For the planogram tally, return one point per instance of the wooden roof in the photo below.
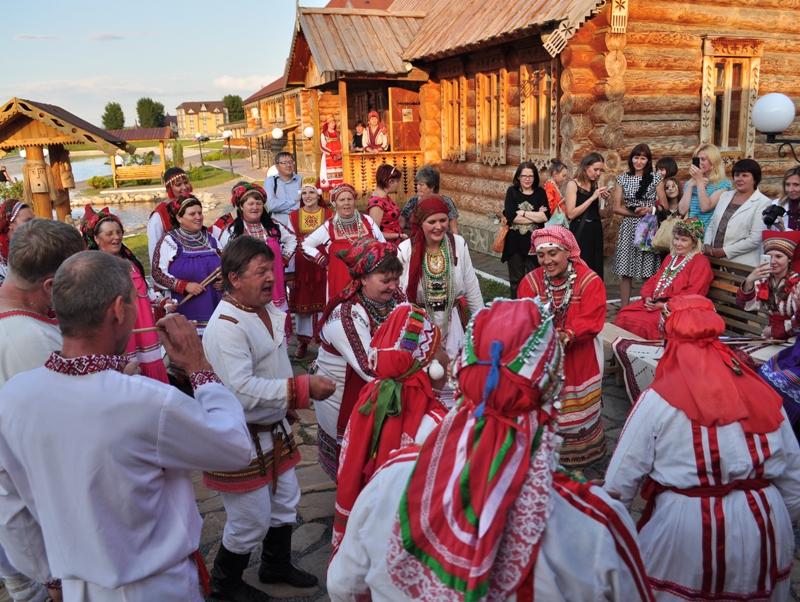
(351, 41)
(455, 26)
(32, 123)
(211, 106)
(269, 89)
(141, 134)
(380, 4)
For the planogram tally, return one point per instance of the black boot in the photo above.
(276, 560)
(226, 578)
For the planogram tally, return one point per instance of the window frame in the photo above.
(530, 149)
(454, 118)
(491, 99)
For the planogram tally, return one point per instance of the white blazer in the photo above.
(742, 241)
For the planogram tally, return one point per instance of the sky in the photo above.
(82, 54)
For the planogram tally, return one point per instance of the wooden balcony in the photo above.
(359, 170)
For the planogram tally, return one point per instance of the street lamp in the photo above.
(200, 139)
(772, 115)
(227, 134)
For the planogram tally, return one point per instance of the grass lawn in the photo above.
(218, 176)
(491, 289)
(138, 244)
(211, 144)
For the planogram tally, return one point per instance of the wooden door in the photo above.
(404, 120)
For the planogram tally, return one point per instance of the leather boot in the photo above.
(276, 560)
(226, 579)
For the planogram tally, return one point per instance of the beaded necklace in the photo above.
(192, 241)
(568, 285)
(675, 265)
(438, 285)
(257, 230)
(377, 312)
(353, 224)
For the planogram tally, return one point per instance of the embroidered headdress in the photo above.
(173, 175)
(91, 220)
(340, 189)
(474, 510)
(557, 237)
(785, 242)
(364, 256)
(691, 227)
(427, 206)
(179, 204)
(9, 210)
(245, 191)
(310, 183)
(390, 409)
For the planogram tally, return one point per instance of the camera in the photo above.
(772, 213)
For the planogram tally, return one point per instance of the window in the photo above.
(538, 110)
(298, 109)
(454, 118)
(731, 68)
(490, 117)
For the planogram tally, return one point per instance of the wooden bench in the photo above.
(139, 172)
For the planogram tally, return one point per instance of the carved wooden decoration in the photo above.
(538, 85)
(619, 16)
(556, 41)
(490, 116)
(454, 118)
(750, 128)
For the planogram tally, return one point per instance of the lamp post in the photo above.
(227, 134)
(200, 139)
(277, 134)
(772, 115)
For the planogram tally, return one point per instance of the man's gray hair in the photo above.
(84, 288)
(38, 248)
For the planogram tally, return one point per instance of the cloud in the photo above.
(105, 37)
(99, 85)
(32, 36)
(253, 83)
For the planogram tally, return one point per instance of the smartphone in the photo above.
(696, 162)
(765, 259)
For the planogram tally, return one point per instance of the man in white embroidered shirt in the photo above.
(94, 464)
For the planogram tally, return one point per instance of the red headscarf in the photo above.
(91, 219)
(427, 206)
(9, 210)
(486, 465)
(390, 409)
(701, 377)
(557, 236)
(785, 242)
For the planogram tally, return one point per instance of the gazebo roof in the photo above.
(142, 134)
(32, 123)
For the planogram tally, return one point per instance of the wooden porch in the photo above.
(359, 170)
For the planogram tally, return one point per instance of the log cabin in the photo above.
(496, 84)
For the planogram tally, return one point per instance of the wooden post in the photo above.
(163, 156)
(42, 206)
(315, 121)
(344, 127)
(114, 169)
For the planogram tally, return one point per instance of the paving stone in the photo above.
(308, 455)
(277, 590)
(314, 506)
(212, 555)
(308, 416)
(613, 434)
(201, 493)
(306, 535)
(316, 563)
(213, 524)
(313, 478)
(211, 504)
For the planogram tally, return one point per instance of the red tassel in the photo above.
(202, 572)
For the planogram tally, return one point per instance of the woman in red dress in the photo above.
(685, 271)
(577, 298)
(330, 143)
(382, 209)
(307, 296)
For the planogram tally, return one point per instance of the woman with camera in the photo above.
(734, 232)
(636, 196)
(685, 271)
(769, 287)
(784, 214)
(702, 192)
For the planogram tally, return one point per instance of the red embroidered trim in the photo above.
(85, 364)
(28, 314)
(203, 377)
(352, 334)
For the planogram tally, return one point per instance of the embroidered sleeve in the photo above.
(288, 241)
(319, 237)
(747, 301)
(203, 377)
(165, 254)
(298, 393)
(349, 332)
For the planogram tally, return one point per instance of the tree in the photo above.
(150, 113)
(235, 107)
(113, 118)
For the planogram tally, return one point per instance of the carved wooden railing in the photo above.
(359, 171)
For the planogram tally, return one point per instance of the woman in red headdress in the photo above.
(103, 231)
(577, 298)
(769, 287)
(720, 464)
(330, 143)
(347, 326)
(13, 213)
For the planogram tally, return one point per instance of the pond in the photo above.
(83, 167)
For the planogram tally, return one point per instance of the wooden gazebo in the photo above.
(34, 125)
(142, 172)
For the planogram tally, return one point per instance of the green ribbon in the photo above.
(386, 402)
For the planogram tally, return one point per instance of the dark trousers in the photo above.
(518, 266)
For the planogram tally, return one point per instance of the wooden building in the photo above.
(538, 79)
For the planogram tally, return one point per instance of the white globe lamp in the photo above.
(277, 133)
(309, 132)
(23, 154)
(773, 113)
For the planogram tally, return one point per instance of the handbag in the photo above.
(662, 239)
(645, 229)
(500, 238)
(559, 218)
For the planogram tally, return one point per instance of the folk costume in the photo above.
(776, 297)
(483, 512)
(348, 325)
(142, 346)
(375, 139)
(259, 498)
(183, 257)
(161, 220)
(688, 274)
(125, 457)
(307, 296)
(397, 409)
(335, 235)
(9, 209)
(445, 284)
(721, 478)
(278, 237)
(330, 143)
(578, 303)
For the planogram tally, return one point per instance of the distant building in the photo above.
(171, 121)
(202, 117)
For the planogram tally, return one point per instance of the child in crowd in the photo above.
(667, 167)
(558, 173)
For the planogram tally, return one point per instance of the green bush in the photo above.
(223, 154)
(12, 191)
(98, 182)
(177, 153)
(196, 174)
